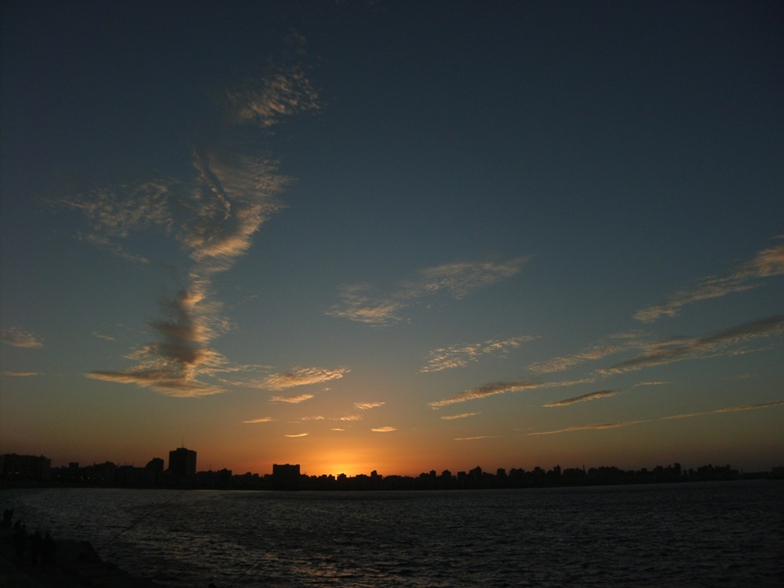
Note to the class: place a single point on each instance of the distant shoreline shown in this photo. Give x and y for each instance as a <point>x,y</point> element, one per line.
<point>107,475</point>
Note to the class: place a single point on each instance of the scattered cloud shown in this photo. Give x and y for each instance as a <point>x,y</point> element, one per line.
<point>312,418</point>
<point>460,355</point>
<point>302,376</point>
<point>584,398</point>
<point>651,383</point>
<point>464,415</point>
<point>261,420</point>
<point>723,410</point>
<point>263,102</point>
<point>358,306</point>
<point>709,346</point>
<point>769,262</point>
<point>338,429</point>
<point>457,279</point>
<point>472,438</point>
<point>21,374</point>
<point>104,337</point>
<point>590,427</point>
<point>350,417</point>
<point>297,435</point>
<point>384,430</point>
<point>20,338</point>
<point>291,399</point>
<point>113,213</point>
<point>368,405</point>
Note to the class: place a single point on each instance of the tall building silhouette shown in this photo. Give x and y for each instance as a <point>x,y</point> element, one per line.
<point>182,462</point>
<point>285,476</point>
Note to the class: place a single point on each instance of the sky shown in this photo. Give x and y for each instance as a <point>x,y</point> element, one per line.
<point>393,236</point>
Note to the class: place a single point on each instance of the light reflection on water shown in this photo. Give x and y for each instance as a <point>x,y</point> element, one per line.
<point>711,534</point>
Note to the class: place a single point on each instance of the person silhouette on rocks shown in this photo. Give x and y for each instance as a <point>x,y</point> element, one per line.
<point>8,514</point>
<point>49,550</point>
<point>19,540</point>
<point>36,547</point>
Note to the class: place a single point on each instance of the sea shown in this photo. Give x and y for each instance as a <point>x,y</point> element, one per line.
<point>709,534</point>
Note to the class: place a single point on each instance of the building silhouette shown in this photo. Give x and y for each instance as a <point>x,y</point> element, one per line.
<point>25,467</point>
<point>182,462</point>
<point>285,476</point>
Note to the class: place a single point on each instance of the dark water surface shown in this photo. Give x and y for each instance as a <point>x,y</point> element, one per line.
<point>708,534</point>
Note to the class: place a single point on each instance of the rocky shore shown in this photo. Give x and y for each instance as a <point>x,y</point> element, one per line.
<point>75,565</point>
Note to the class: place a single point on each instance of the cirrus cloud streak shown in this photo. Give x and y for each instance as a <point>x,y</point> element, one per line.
<point>767,263</point>
<point>708,346</point>
<point>584,398</point>
<point>599,427</point>
<point>301,376</point>
<point>725,410</point>
<point>291,399</point>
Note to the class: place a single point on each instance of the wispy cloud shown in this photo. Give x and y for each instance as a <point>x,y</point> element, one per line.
<point>349,418</point>
<point>709,346</point>
<point>368,405</point>
<point>21,374</point>
<point>584,398</point>
<point>662,383</point>
<point>600,427</point>
<point>214,215</point>
<point>502,388</point>
<point>172,366</point>
<point>313,418</point>
<point>454,417</point>
<point>384,430</point>
<point>21,338</point>
<point>104,337</point>
<point>472,438</point>
<point>769,262</point>
<point>560,364</point>
<point>113,213</point>
<point>291,399</point>
<point>297,435</point>
<point>460,355</point>
<point>457,279</point>
<point>730,409</point>
<point>302,376</point>
<point>261,420</point>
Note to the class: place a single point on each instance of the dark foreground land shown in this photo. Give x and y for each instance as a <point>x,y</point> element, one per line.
<point>76,565</point>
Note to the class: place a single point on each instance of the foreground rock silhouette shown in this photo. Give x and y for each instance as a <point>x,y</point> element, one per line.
<point>76,565</point>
